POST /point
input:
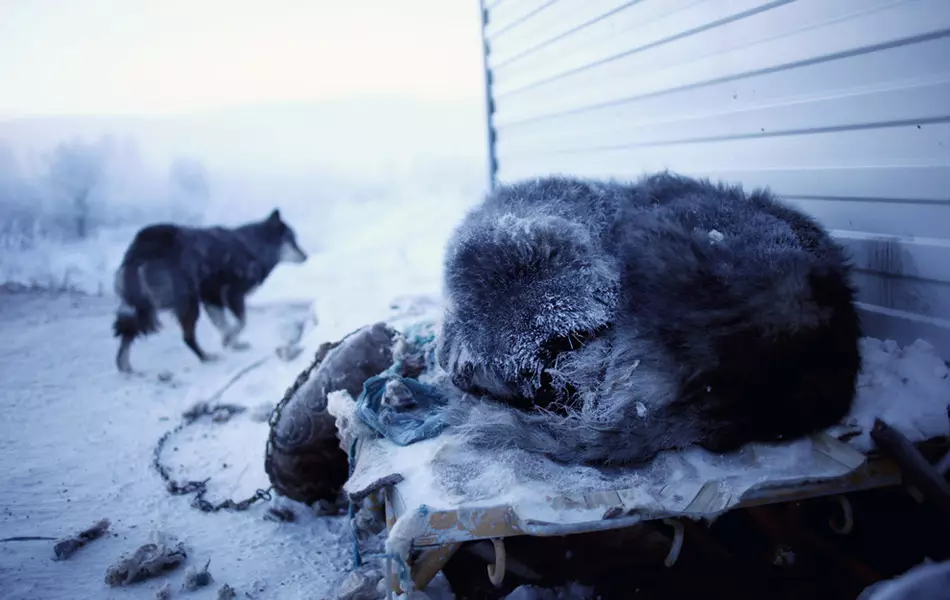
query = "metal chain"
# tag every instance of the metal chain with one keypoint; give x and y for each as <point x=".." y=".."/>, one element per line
<point x="205" y="409"/>
<point x="200" y="487"/>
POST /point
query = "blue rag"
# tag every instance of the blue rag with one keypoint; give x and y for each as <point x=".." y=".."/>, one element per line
<point x="414" y="415"/>
<point x="401" y="426"/>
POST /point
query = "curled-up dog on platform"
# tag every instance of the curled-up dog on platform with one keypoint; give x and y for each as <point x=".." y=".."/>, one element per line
<point x="602" y="322"/>
<point x="178" y="268"/>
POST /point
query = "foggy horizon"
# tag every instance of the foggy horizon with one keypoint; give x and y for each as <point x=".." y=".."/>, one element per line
<point x="107" y="57"/>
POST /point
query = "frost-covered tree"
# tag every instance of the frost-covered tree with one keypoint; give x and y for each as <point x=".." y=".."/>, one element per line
<point x="16" y="218"/>
<point x="76" y="168"/>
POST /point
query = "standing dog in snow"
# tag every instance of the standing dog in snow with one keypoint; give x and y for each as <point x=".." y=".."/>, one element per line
<point x="182" y="268"/>
<point x="616" y="320"/>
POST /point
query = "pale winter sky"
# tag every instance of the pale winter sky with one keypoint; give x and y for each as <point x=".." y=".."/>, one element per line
<point x="109" y="57"/>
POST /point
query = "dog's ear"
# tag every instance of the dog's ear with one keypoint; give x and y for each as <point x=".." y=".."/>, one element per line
<point x="274" y="215"/>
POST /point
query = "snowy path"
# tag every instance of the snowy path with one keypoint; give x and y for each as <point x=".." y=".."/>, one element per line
<point x="76" y="440"/>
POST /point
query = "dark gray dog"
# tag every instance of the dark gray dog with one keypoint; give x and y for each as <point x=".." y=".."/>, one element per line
<point x="616" y="320"/>
<point x="181" y="268"/>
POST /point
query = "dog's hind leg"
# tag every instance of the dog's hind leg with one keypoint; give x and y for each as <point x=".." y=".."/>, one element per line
<point x="188" y="314"/>
<point x="122" y="356"/>
<point x="136" y="316"/>
<point x="235" y="302"/>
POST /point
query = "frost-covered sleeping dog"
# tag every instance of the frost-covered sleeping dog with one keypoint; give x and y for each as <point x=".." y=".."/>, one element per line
<point x="603" y="322"/>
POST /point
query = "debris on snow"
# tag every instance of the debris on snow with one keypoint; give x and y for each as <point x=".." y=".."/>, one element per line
<point x="164" y="592"/>
<point x="280" y="514"/>
<point x="148" y="560"/>
<point x="359" y="584"/>
<point x="226" y="592"/>
<point x="66" y="547"/>
<point x="259" y="585"/>
<point x="262" y="412"/>
<point x="221" y="415"/>
<point x="195" y="579"/>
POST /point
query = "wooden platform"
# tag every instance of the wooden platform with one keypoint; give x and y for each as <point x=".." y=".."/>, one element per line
<point x="439" y="533"/>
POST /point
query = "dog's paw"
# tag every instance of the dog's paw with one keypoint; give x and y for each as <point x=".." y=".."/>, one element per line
<point x="211" y="357"/>
<point x="239" y="346"/>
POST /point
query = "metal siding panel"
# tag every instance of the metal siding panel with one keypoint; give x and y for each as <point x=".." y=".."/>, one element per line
<point x="919" y="297"/>
<point x="552" y="28"/>
<point x="903" y="217"/>
<point x="654" y="29"/>
<point x="907" y="101"/>
<point x="663" y="68"/>
<point x="508" y="16"/>
<point x="903" y="66"/>
<point x="903" y="145"/>
<point x="842" y="107"/>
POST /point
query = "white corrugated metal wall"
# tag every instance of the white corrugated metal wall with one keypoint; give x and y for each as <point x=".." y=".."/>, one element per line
<point x="840" y="106"/>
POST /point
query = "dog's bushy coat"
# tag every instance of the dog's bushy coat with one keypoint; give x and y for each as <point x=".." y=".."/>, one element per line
<point x="616" y="320"/>
<point x="181" y="268"/>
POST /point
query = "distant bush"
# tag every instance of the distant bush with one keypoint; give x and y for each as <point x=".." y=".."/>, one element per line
<point x="65" y="221"/>
<point x="81" y="187"/>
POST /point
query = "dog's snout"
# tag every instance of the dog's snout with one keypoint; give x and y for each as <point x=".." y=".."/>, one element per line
<point x="291" y="252"/>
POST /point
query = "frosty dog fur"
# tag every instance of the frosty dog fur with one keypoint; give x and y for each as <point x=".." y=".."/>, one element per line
<point x="181" y="268"/>
<point x="616" y="320"/>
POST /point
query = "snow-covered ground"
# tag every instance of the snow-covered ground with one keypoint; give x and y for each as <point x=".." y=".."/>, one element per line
<point x="77" y="444"/>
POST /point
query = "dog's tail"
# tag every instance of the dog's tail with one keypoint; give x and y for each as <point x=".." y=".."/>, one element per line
<point x="136" y="315"/>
